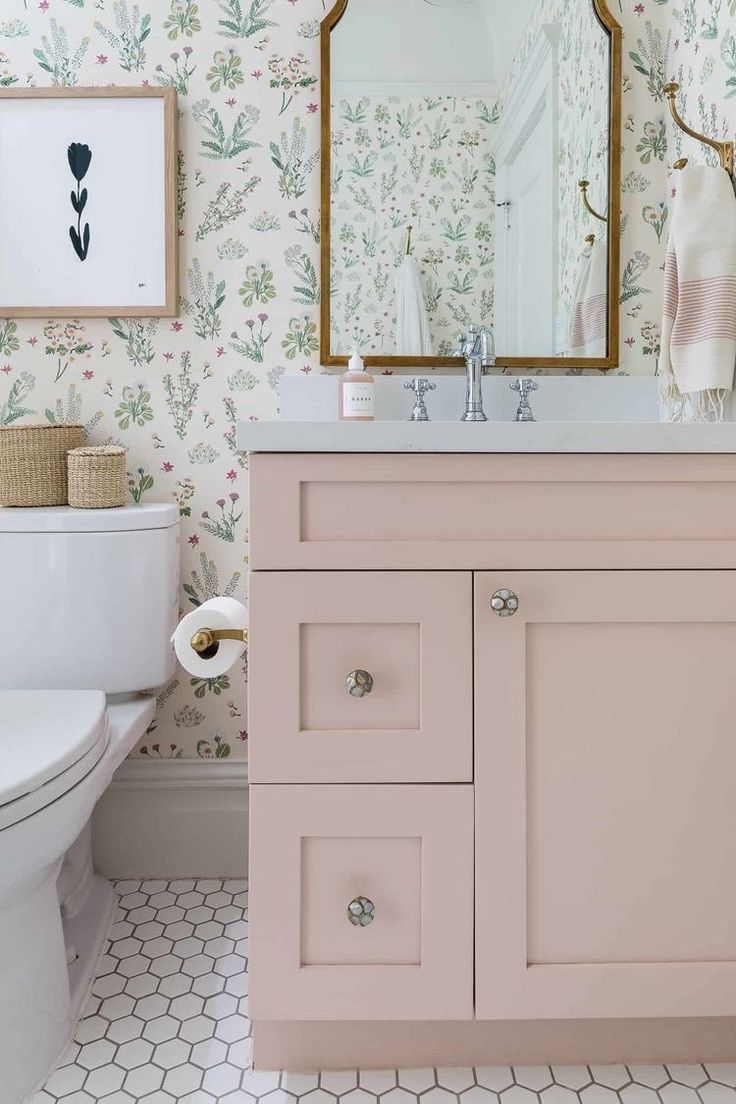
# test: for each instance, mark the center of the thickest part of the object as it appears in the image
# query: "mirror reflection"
(460, 133)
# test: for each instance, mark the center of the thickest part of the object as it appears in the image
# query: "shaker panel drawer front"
(361, 677)
(362, 902)
(527, 511)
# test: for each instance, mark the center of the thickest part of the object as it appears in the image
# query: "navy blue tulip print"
(80, 157)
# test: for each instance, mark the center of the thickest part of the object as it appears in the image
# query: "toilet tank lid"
(65, 519)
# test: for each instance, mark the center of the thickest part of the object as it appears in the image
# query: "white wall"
(425, 43)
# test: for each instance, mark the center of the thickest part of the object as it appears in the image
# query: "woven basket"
(97, 477)
(33, 469)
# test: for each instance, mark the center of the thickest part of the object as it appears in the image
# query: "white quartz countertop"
(490, 437)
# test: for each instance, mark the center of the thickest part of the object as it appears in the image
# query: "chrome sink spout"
(479, 351)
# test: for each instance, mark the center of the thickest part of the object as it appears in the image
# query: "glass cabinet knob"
(505, 603)
(359, 683)
(361, 912)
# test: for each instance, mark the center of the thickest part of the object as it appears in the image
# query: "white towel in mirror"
(412, 324)
(589, 319)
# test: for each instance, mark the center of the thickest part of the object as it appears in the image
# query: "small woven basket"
(97, 477)
(33, 467)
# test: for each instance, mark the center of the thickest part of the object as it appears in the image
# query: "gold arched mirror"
(471, 174)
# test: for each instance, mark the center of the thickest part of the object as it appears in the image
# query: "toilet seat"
(49, 740)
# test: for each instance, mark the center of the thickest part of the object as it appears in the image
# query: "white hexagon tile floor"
(167, 1023)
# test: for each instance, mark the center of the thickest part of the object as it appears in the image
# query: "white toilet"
(89, 604)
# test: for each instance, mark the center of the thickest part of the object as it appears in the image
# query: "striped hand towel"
(698, 359)
(589, 319)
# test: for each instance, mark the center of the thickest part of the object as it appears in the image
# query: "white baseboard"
(173, 818)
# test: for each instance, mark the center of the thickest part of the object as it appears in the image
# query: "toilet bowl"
(111, 582)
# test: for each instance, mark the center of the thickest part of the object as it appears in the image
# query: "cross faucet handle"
(420, 386)
(524, 387)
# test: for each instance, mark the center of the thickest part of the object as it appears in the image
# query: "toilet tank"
(89, 599)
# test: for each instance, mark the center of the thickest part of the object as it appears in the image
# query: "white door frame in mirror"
(530, 115)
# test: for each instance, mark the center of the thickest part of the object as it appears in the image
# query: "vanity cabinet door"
(402, 856)
(605, 758)
(361, 676)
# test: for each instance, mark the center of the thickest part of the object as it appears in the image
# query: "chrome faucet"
(479, 351)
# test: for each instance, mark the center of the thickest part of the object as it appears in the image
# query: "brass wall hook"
(583, 185)
(206, 642)
(725, 150)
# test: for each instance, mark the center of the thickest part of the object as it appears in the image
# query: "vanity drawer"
(525, 511)
(408, 850)
(411, 632)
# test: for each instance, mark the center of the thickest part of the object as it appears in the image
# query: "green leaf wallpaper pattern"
(172, 391)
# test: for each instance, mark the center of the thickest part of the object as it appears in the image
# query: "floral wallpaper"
(419, 161)
(700, 52)
(248, 198)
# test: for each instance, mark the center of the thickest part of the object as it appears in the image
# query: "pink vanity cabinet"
(492, 759)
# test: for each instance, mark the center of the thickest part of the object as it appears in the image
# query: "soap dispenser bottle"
(357, 393)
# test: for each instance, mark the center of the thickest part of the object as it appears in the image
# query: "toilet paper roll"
(218, 613)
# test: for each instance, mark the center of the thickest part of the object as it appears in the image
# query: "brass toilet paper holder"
(206, 642)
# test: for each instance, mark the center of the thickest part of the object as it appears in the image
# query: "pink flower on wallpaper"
(194, 540)
(167, 466)
(102, 59)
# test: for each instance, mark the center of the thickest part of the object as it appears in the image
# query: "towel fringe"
(708, 405)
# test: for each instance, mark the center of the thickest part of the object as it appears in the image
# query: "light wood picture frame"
(88, 220)
(603, 13)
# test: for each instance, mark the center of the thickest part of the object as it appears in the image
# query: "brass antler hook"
(583, 185)
(725, 150)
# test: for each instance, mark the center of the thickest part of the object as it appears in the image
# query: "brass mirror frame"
(328, 359)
